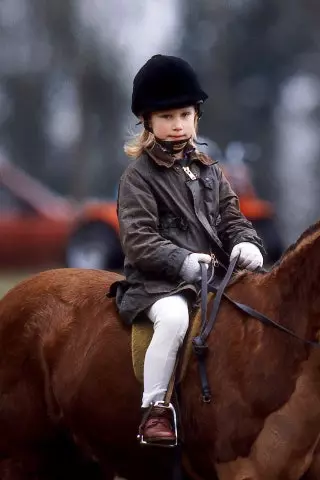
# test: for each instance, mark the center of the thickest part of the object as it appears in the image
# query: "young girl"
(175, 209)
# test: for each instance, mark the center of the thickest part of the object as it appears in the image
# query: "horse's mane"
(310, 231)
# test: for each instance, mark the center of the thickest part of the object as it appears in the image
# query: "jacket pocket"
(170, 222)
(210, 196)
(208, 183)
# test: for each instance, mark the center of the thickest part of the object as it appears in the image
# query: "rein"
(200, 347)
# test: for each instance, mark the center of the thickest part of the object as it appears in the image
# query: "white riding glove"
(250, 255)
(191, 269)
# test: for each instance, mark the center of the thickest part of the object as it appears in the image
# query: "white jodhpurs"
(170, 318)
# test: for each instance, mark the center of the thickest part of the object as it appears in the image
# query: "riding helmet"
(165, 82)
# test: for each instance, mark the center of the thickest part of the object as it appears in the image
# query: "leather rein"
(200, 347)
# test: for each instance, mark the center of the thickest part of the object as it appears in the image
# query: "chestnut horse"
(70, 403)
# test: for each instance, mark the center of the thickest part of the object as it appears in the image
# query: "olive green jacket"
(165, 215)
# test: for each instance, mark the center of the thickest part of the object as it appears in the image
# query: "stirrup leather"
(165, 405)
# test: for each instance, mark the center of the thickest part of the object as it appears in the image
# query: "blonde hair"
(145, 139)
(138, 143)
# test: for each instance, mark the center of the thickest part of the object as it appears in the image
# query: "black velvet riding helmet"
(165, 82)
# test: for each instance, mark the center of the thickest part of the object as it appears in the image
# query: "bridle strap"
(200, 347)
(199, 343)
(206, 327)
(267, 321)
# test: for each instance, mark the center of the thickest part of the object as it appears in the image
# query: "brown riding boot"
(158, 427)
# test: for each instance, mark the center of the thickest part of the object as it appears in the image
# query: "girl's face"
(176, 124)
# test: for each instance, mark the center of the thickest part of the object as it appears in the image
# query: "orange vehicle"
(95, 241)
(35, 223)
(40, 228)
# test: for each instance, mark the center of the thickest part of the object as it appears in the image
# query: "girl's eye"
(166, 116)
(186, 114)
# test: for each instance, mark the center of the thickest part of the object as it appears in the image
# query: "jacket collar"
(164, 159)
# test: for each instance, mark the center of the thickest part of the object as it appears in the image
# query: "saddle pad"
(141, 336)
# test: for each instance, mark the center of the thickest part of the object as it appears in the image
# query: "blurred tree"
(244, 50)
(99, 97)
(59, 51)
(60, 75)
(23, 58)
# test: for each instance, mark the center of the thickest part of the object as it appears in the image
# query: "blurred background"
(66, 71)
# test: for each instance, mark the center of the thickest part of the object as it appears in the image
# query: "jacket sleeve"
(233, 227)
(141, 242)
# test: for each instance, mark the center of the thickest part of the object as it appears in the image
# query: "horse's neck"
(298, 282)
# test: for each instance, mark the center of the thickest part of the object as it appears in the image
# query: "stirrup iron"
(168, 406)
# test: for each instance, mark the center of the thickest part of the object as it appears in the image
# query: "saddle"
(141, 336)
